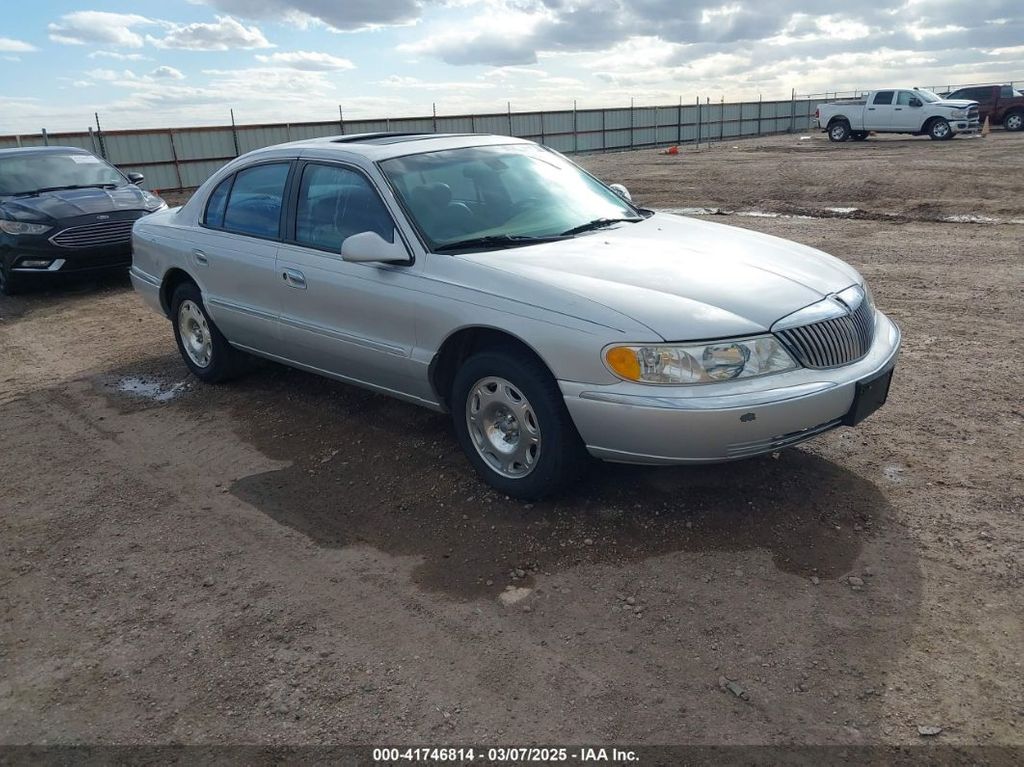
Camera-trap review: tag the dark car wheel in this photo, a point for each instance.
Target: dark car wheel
(839, 131)
(203, 347)
(512, 423)
(9, 283)
(1014, 121)
(939, 130)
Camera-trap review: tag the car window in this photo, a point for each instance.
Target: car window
(254, 204)
(1007, 92)
(217, 204)
(883, 97)
(335, 203)
(905, 97)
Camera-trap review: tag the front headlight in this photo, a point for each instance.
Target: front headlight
(22, 227)
(153, 203)
(699, 363)
(958, 114)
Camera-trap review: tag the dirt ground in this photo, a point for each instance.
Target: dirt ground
(289, 560)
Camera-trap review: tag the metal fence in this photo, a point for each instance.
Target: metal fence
(182, 158)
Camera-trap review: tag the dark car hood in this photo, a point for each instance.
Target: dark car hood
(68, 203)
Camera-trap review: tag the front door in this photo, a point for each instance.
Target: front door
(356, 321)
(878, 111)
(906, 113)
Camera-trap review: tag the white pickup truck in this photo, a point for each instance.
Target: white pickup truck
(898, 110)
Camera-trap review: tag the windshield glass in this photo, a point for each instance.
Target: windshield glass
(508, 191)
(926, 96)
(23, 174)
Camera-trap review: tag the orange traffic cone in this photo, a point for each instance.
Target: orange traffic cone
(985, 128)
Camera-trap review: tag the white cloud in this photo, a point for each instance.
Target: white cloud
(9, 45)
(85, 27)
(344, 15)
(310, 61)
(166, 73)
(223, 34)
(117, 56)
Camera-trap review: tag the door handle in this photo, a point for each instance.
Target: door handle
(898, 109)
(294, 279)
(871, 109)
(201, 258)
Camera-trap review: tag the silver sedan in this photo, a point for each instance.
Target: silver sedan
(492, 278)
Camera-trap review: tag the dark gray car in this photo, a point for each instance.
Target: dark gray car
(62, 209)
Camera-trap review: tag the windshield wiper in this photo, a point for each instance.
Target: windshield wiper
(493, 241)
(597, 223)
(35, 192)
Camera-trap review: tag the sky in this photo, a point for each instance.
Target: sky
(187, 62)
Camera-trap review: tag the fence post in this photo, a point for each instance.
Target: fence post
(698, 123)
(679, 122)
(721, 119)
(604, 129)
(759, 114)
(792, 110)
(341, 120)
(46, 139)
(632, 122)
(174, 154)
(575, 130)
(234, 133)
(433, 106)
(508, 104)
(99, 136)
(542, 136)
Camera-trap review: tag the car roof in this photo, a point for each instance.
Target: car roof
(27, 150)
(385, 145)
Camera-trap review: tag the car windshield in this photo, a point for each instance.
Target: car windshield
(30, 173)
(926, 96)
(501, 196)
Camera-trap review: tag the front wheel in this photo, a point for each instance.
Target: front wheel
(512, 423)
(1014, 121)
(9, 284)
(839, 131)
(939, 130)
(203, 347)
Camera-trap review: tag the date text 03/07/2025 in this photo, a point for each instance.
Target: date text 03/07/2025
(513, 754)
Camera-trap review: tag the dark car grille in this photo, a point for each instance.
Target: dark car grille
(94, 235)
(832, 342)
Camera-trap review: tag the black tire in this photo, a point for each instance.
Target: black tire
(839, 131)
(860, 135)
(939, 130)
(223, 360)
(1014, 121)
(10, 285)
(561, 456)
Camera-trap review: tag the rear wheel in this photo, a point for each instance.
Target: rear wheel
(839, 131)
(939, 130)
(203, 347)
(1014, 121)
(512, 423)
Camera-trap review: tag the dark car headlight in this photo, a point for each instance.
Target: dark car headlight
(23, 227)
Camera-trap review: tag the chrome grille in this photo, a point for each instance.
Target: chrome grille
(117, 232)
(832, 342)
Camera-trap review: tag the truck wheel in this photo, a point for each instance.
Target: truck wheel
(939, 130)
(1014, 121)
(839, 131)
(859, 135)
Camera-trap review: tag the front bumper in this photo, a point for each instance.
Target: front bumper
(965, 126)
(636, 423)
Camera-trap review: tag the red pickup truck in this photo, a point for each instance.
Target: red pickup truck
(1001, 104)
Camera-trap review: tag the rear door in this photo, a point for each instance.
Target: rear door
(352, 320)
(878, 112)
(235, 252)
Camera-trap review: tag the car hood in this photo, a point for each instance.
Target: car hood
(955, 103)
(68, 203)
(683, 278)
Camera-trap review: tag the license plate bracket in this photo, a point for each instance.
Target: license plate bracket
(869, 395)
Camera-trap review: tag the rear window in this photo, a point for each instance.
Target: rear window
(217, 204)
(883, 97)
(253, 201)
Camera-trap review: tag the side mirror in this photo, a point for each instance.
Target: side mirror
(136, 178)
(370, 247)
(621, 191)
(915, 102)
